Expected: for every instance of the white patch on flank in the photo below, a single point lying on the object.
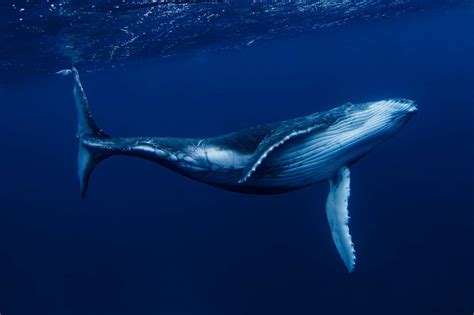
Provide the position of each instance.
(151, 149)
(145, 148)
(225, 158)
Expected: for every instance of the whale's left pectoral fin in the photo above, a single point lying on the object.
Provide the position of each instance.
(338, 216)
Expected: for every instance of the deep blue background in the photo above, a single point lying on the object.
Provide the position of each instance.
(147, 241)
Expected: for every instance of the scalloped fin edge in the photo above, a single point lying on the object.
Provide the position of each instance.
(337, 212)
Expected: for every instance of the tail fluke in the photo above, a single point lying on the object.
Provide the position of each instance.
(85, 123)
(87, 131)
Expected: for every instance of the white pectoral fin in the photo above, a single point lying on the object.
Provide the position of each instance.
(338, 216)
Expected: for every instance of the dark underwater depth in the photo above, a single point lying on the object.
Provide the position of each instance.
(149, 241)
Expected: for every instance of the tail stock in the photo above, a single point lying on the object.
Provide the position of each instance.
(87, 129)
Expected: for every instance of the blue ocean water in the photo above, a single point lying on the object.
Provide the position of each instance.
(148, 241)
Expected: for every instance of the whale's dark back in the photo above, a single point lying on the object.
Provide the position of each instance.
(244, 141)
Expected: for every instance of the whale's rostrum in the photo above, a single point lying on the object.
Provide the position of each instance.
(267, 159)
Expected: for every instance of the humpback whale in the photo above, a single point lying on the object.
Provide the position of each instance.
(267, 159)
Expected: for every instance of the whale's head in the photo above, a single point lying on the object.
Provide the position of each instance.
(358, 128)
(380, 119)
(388, 116)
(394, 113)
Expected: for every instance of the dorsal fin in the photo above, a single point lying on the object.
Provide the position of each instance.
(283, 132)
